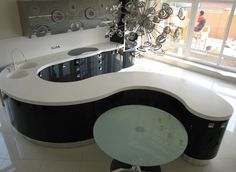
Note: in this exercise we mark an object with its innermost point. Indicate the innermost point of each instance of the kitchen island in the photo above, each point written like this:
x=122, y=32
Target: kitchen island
x=63, y=112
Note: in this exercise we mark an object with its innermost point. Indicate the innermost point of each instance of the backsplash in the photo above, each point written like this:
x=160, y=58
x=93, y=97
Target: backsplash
x=37, y=47
x=40, y=18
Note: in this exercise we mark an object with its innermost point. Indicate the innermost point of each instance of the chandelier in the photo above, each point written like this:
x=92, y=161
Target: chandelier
x=142, y=24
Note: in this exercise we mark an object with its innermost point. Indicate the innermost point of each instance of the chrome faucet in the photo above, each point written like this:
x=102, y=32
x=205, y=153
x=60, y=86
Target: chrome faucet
x=13, y=57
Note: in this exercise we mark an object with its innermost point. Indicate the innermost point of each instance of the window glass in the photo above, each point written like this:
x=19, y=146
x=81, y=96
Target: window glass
x=211, y=22
x=176, y=45
x=229, y=53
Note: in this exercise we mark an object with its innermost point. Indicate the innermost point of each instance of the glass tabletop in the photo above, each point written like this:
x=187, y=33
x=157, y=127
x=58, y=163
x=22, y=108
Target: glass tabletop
x=140, y=135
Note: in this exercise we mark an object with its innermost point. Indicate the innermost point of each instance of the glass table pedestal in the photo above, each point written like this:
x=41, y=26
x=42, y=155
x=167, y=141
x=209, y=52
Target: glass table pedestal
x=117, y=166
x=142, y=136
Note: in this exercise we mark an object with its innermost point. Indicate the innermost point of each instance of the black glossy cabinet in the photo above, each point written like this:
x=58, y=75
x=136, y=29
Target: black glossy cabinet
x=83, y=68
x=62, y=124
x=128, y=59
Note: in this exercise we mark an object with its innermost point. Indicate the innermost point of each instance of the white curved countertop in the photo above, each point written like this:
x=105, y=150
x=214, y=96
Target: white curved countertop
x=32, y=89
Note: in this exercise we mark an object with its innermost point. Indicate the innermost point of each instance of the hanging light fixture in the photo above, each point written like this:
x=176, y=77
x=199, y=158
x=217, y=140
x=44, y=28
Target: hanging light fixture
x=145, y=26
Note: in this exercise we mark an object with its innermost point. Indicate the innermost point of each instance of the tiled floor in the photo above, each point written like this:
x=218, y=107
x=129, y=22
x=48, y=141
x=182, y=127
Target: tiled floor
x=19, y=155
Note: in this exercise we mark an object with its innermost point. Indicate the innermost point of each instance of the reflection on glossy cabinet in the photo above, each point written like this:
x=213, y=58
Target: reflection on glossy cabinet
x=83, y=68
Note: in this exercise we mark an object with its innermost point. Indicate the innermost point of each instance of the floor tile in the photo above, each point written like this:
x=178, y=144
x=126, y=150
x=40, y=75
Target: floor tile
x=222, y=165
x=20, y=166
x=181, y=165
x=94, y=153
x=61, y=166
x=95, y=166
x=63, y=154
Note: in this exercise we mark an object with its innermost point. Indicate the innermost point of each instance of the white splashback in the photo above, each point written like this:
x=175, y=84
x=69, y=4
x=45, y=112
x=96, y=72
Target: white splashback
x=36, y=47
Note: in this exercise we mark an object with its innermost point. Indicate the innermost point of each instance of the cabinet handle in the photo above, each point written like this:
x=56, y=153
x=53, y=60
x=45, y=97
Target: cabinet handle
x=223, y=125
x=100, y=61
x=63, y=66
x=100, y=68
x=211, y=125
x=77, y=69
x=99, y=56
x=77, y=62
x=78, y=75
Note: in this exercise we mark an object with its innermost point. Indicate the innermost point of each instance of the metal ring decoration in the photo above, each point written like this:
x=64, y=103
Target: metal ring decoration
x=151, y=11
x=148, y=24
x=75, y=26
x=141, y=48
x=165, y=6
x=164, y=34
x=140, y=31
x=119, y=33
x=156, y=19
x=167, y=29
x=131, y=44
x=141, y=4
x=147, y=44
x=90, y=13
x=163, y=14
x=181, y=14
x=157, y=46
x=177, y=33
x=141, y=19
x=41, y=30
x=58, y=16
x=132, y=36
x=161, y=39
x=169, y=10
x=129, y=6
x=132, y=26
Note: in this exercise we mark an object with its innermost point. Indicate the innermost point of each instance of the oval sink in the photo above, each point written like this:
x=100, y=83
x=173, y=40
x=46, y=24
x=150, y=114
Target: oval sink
x=18, y=74
x=78, y=51
x=28, y=65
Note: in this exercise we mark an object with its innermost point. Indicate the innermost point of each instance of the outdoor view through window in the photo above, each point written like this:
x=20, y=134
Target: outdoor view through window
x=208, y=32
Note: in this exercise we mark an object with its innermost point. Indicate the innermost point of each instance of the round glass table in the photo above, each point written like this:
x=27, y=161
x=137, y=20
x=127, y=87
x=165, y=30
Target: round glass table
x=139, y=137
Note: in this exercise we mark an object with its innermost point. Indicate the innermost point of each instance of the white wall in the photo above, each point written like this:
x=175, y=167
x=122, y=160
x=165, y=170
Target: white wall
x=36, y=47
x=11, y=37
x=9, y=19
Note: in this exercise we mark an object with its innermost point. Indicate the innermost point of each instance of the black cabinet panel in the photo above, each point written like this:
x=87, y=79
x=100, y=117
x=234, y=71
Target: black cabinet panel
x=128, y=59
x=61, y=124
x=56, y=124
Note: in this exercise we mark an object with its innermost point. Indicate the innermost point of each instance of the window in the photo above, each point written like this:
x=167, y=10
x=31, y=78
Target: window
x=214, y=43
x=206, y=43
x=176, y=46
x=229, y=52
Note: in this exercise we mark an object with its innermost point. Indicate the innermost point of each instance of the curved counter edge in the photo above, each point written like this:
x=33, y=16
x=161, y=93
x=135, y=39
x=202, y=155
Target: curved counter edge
x=102, y=86
x=74, y=123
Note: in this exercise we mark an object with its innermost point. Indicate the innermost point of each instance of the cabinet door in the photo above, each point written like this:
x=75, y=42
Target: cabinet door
x=54, y=74
x=113, y=61
x=204, y=138
x=128, y=59
x=65, y=72
x=118, y=61
x=81, y=68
